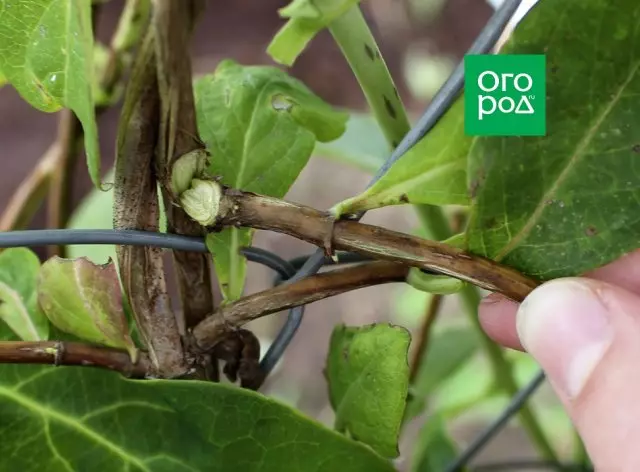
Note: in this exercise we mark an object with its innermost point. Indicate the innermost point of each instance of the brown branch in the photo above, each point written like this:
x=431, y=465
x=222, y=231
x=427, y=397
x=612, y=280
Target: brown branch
x=173, y=23
x=308, y=290
x=74, y=354
x=316, y=227
x=136, y=207
x=433, y=308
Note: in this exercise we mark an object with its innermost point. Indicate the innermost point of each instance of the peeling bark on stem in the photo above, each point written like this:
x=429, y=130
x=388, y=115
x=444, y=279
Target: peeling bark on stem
x=136, y=207
x=317, y=227
x=256, y=211
x=172, y=23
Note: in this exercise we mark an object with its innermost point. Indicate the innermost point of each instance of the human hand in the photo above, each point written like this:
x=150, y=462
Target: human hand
x=585, y=334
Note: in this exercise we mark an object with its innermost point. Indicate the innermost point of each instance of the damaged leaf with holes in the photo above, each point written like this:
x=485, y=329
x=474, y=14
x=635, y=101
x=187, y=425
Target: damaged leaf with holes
x=565, y=203
x=46, y=53
x=84, y=299
x=261, y=127
x=368, y=371
x=19, y=309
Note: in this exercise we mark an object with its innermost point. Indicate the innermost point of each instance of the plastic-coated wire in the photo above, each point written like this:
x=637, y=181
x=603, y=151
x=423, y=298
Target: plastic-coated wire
x=285, y=271
x=512, y=466
x=344, y=257
x=482, y=439
x=44, y=237
x=438, y=106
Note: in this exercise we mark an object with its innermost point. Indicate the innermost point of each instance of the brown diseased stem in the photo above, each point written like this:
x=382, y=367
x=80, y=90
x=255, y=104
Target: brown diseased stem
x=172, y=24
x=302, y=292
x=74, y=354
x=316, y=227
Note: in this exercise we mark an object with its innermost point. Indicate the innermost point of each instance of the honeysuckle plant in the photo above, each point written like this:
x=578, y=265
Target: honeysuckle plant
x=99, y=371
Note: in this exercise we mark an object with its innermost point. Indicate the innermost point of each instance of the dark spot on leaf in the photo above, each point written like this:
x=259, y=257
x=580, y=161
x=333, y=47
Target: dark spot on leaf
x=491, y=222
x=369, y=52
x=389, y=107
x=591, y=231
x=554, y=69
x=404, y=198
x=475, y=183
x=345, y=353
x=636, y=148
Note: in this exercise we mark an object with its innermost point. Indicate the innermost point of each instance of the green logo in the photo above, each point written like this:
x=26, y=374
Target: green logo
x=505, y=95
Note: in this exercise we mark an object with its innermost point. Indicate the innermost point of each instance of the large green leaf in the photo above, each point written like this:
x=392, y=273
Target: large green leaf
x=448, y=352
x=432, y=172
x=83, y=420
x=19, y=309
x=260, y=126
x=46, y=53
x=435, y=450
x=306, y=18
x=368, y=376
x=565, y=203
x=84, y=299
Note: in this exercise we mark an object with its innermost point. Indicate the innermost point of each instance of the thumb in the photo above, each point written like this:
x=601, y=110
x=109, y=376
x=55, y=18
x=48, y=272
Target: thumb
x=586, y=336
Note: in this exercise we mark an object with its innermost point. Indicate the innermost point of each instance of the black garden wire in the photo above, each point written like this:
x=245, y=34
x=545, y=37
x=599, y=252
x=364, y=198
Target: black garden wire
x=500, y=422
x=285, y=270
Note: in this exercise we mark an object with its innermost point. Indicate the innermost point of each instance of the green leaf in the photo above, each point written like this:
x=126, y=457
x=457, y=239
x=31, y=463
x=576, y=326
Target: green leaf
x=19, y=307
x=306, y=19
x=432, y=172
x=435, y=450
x=3, y=79
x=566, y=203
x=82, y=419
x=448, y=352
x=260, y=126
x=46, y=53
x=362, y=145
x=84, y=299
x=368, y=376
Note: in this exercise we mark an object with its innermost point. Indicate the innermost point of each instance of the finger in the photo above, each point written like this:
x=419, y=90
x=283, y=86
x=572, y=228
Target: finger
x=498, y=319
x=498, y=313
x=584, y=333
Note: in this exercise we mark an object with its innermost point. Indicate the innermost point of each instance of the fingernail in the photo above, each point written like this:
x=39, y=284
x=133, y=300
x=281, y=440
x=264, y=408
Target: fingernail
x=565, y=326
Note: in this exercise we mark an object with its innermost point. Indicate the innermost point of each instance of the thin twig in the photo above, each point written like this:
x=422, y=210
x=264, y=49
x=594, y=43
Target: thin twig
x=74, y=354
x=28, y=197
x=308, y=290
x=431, y=314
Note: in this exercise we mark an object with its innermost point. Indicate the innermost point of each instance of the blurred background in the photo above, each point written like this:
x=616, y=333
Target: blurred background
x=421, y=41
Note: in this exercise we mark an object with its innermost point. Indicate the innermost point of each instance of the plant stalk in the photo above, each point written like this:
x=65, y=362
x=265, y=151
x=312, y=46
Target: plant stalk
x=74, y=354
